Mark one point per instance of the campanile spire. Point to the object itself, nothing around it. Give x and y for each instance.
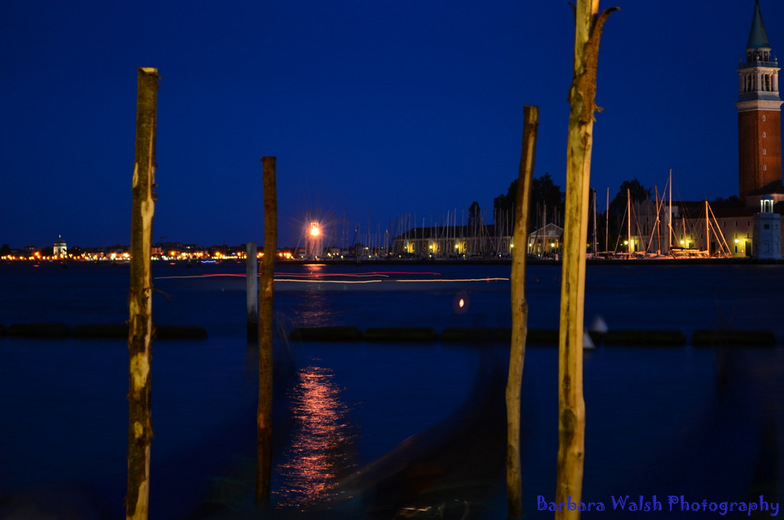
(759, 112)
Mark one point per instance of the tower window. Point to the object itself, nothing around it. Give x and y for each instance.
(763, 119)
(764, 151)
(764, 135)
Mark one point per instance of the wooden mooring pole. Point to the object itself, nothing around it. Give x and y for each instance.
(266, 292)
(514, 479)
(140, 298)
(252, 291)
(571, 404)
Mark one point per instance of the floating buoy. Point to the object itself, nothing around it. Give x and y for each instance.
(587, 341)
(599, 325)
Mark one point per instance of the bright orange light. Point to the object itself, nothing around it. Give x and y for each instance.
(314, 229)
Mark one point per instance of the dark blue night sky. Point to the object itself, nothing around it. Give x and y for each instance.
(375, 109)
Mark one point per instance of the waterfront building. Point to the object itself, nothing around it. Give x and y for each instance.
(759, 113)
(767, 231)
(545, 241)
(748, 223)
(453, 241)
(60, 249)
(749, 226)
(757, 219)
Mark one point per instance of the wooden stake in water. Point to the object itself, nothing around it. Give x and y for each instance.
(252, 291)
(266, 292)
(571, 404)
(514, 484)
(140, 298)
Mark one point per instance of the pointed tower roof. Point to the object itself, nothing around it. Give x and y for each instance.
(758, 38)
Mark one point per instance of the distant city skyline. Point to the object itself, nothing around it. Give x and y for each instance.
(375, 111)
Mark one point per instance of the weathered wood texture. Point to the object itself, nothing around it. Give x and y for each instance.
(514, 480)
(582, 97)
(140, 298)
(571, 404)
(266, 293)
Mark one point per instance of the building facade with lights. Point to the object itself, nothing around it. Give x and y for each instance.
(750, 227)
(759, 146)
(453, 241)
(60, 248)
(747, 227)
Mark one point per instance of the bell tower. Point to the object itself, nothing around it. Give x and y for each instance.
(759, 113)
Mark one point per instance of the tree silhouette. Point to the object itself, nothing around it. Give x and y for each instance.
(544, 193)
(617, 211)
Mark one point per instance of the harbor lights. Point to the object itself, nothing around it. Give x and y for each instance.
(313, 240)
(461, 302)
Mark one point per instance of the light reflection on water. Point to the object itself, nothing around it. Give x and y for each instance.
(322, 440)
(315, 310)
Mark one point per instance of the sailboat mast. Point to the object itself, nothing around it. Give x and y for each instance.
(683, 229)
(629, 220)
(607, 223)
(594, 222)
(707, 228)
(658, 222)
(669, 218)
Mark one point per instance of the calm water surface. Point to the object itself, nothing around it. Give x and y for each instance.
(703, 422)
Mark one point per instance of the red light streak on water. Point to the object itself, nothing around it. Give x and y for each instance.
(371, 273)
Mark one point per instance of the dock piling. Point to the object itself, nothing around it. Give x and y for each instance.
(140, 298)
(514, 484)
(252, 291)
(266, 293)
(571, 403)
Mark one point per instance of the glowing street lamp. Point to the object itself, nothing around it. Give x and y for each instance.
(315, 230)
(313, 240)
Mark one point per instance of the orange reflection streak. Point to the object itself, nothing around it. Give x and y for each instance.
(322, 440)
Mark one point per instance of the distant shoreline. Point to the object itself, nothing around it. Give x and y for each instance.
(507, 261)
(434, 261)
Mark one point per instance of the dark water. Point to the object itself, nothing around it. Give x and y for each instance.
(706, 423)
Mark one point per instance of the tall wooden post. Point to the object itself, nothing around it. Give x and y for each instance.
(252, 291)
(140, 298)
(514, 484)
(571, 405)
(266, 292)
